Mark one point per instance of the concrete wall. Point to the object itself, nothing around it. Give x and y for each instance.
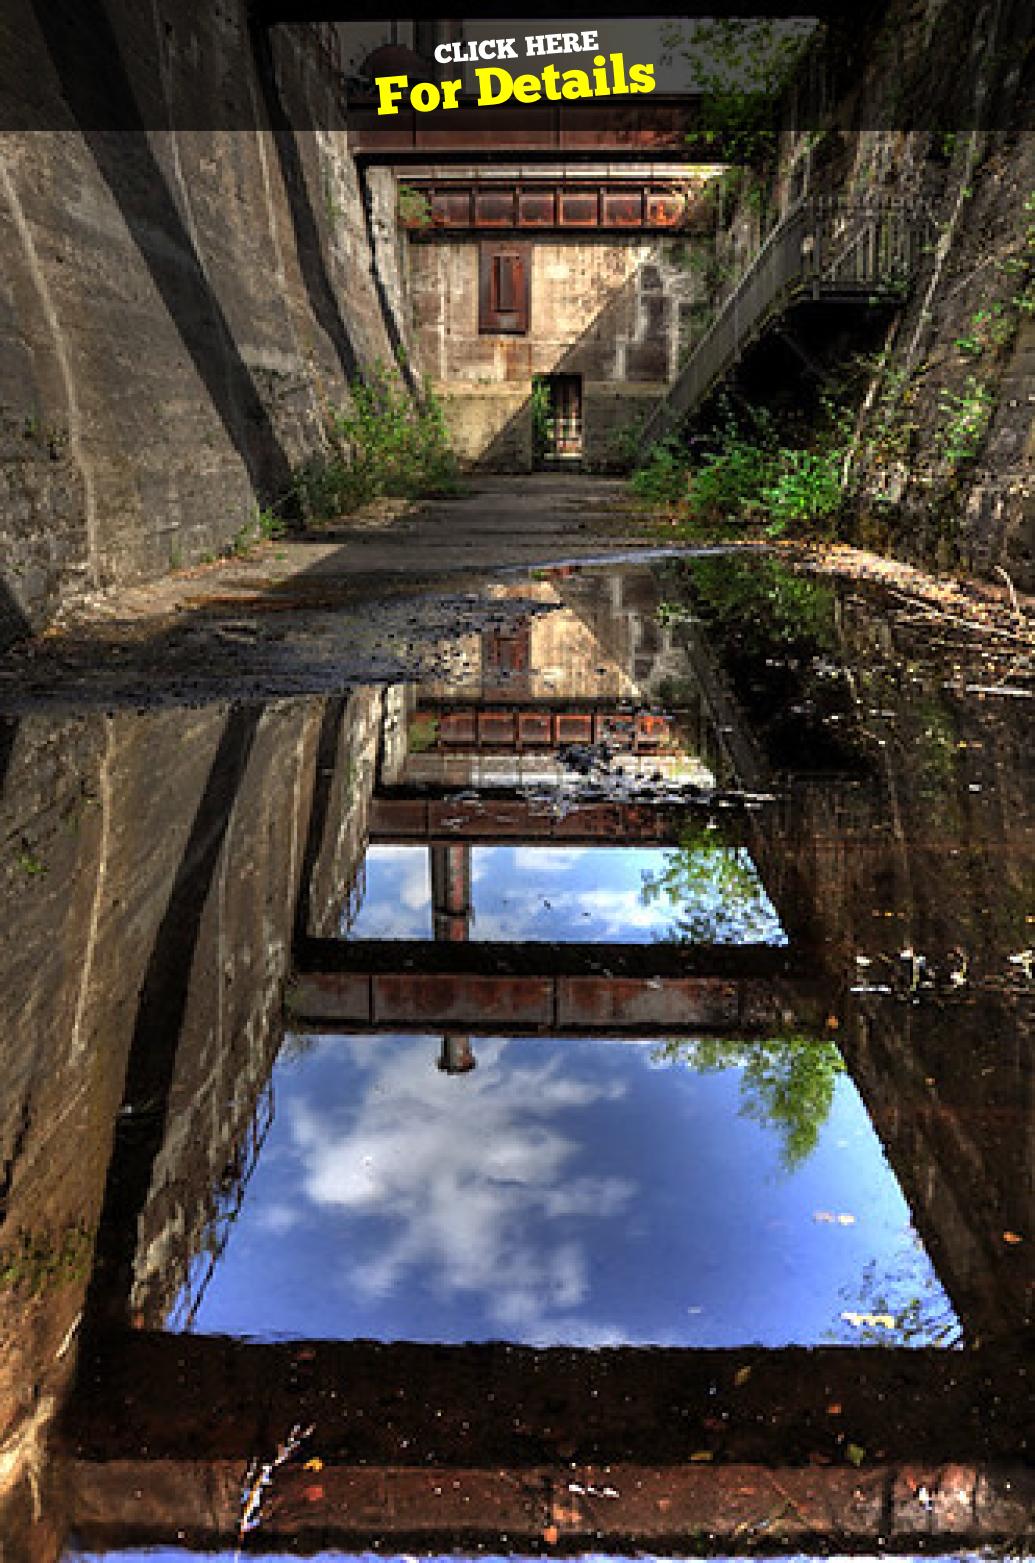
(176, 304)
(613, 309)
(957, 79)
(151, 924)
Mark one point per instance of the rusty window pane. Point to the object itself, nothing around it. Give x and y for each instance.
(536, 209)
(664, 210)
(451, 208)
(623, 208)
(494, 208)
(503, 287)
(579, 208)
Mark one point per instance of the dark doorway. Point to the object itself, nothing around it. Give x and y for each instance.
(557, 420)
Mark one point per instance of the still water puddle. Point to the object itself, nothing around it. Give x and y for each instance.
(659, 977)
(625, 894)
(573, 1193)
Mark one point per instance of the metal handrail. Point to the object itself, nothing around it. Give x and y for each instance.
(825, 246)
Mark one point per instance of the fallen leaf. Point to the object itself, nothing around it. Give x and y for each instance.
(550, 1535)
(741, 1376)
(855, 1453)
(1012, 1237)
(699, 1456)
(315, 1464)
(834, 1408)
(314, 1494)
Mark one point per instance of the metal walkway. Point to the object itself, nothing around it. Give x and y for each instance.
(825, 248)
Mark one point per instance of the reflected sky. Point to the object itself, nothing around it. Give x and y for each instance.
(576, 1192)
(565, 894)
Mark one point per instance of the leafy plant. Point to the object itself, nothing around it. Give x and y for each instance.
(748, 476)
(965, 421)
(30, 863)
(662, 479)
(712, 889)
(740, 67)
(413, 207)
(540, 408)
(385, 444)
(989, 328)
(786, 1082)
(37, 1262)
(807, 488)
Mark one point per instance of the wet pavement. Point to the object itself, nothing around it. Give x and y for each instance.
(540, 1065)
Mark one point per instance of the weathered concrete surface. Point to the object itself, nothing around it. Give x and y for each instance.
(320, 615)
(611, 308)
(175, 307)
(124, 894)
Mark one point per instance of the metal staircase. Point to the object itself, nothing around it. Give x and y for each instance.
(826, 247)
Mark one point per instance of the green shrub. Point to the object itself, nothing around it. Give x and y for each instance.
(386, 444)
(965, 420)
(807, 488)
(728, 484)
(663, 477)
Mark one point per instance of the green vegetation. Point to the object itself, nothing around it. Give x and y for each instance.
(965, 420)
(989, 329)
(750, 476)
(540, 408)
(422, 734)
(712, 889)
(741, 67)
(786, 1082)
(386, 444)
(38, 1262)
(414, 208)
(265, 526)
(30, 863)
(758, 603)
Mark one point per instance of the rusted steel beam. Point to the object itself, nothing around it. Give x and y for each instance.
(553, 1509)
(574, 989)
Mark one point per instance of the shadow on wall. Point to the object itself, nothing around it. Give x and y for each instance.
(85, 53)
(627, 344)
(318, 286)
(159, 1019)
(14, 625)
(106, 77)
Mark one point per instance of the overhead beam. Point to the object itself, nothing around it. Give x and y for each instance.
(552, 989)
(276, 11)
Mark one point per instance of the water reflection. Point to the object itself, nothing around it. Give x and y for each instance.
(670, 951)
(706, 891)
(593, 1196)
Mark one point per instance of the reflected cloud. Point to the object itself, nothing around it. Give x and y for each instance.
(471, 1187)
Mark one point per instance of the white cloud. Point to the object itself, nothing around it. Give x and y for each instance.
(474, 1182)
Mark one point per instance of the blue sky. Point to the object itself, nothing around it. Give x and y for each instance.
(541, 893)
(563, 1192)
